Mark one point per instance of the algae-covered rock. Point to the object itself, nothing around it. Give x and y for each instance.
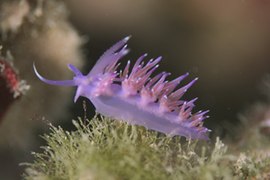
(33, 31)
(108, 149)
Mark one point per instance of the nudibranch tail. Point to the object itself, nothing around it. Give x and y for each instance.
(136, 97)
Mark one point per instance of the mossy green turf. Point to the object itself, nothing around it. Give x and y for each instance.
(107, 149)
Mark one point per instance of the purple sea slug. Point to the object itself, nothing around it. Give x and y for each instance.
(136, 97)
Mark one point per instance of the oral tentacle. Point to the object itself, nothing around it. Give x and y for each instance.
(75, 70)
(53, 82)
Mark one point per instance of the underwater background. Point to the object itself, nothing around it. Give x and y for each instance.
(225, 44)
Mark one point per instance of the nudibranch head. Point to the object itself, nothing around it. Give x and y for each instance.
(136, 97)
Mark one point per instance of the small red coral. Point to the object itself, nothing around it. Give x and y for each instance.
(11, 87)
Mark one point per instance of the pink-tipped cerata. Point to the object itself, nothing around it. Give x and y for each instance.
(136, 96)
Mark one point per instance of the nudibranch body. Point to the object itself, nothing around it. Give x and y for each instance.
(136, 97)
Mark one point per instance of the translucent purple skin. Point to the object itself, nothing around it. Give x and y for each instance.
(135, 96)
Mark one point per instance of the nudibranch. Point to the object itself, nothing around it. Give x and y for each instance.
(132, 95)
